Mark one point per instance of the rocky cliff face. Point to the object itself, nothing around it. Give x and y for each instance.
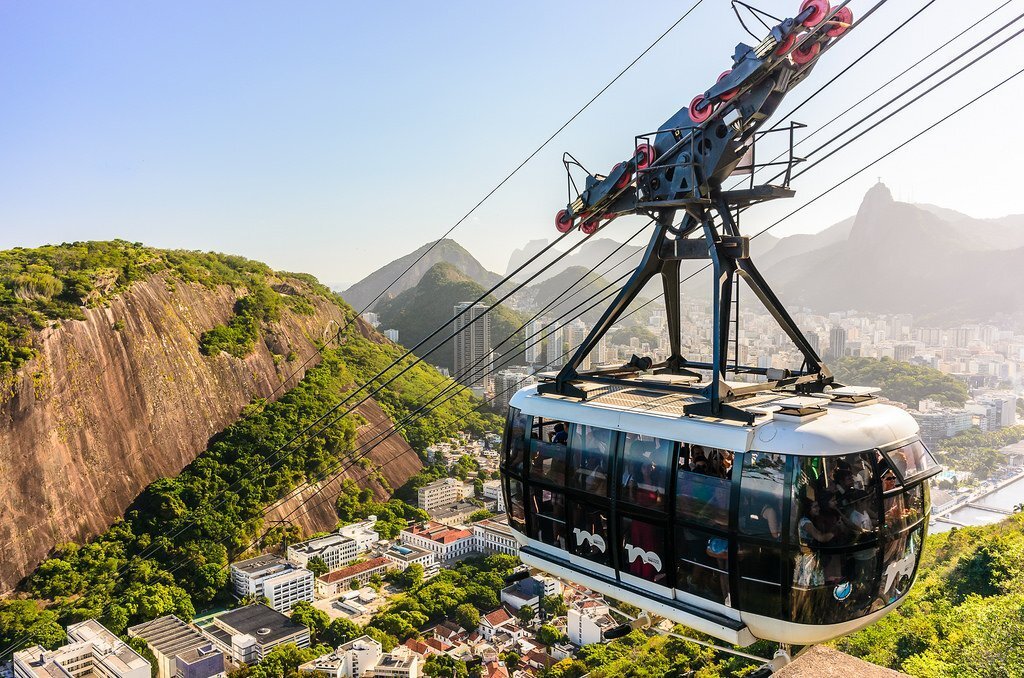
(115, 401)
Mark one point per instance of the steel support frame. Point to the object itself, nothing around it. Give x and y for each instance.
(727, 251)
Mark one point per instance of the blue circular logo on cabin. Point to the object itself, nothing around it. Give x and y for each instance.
(843, 591)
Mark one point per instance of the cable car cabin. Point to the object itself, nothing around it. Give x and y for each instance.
(804, 526)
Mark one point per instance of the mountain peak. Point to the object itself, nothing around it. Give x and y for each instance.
(879, 193)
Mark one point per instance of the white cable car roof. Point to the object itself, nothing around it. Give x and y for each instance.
(824, 428)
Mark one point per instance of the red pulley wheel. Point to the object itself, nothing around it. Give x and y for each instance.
(840, 21)
(786, 45)
(821, 9)
(725, 96)
(700, 109)
(563, 221)
(591, 225)
(804, 54)
(644, 156)
(624, 180)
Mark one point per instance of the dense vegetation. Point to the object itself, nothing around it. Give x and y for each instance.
(170, 552)
(418, 311)
(965, 615)
(902, 382)
(461, 593)
(977, 451)
(412, 390)
(641, 656)
(54, 283)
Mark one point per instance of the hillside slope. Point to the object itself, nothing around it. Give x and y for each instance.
(108, 403)
(418, 311)
(446, 251)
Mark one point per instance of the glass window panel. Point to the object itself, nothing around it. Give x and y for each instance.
(590, 455)
(515, 441)
(762, 482)
(516, 503)
(590, 537)
(912, 460)
(548, 448)
(760, 579)
(702, 564)
(549, 517)
(702, 493)
(643, 550)
(832, 587)
(904, 509)
(644, 479)
(899, 558)
(835, 501)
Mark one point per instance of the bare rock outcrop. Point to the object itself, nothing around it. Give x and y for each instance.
(123, 397)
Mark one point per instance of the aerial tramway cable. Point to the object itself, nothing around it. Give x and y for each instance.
(337, 335)
(453, 388)
(859, 171)
(817, 197)
(800, 208)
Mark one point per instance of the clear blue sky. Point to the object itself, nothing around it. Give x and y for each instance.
(331, 137)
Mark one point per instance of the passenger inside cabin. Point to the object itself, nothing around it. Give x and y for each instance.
(644, 470)
(560, 435)
(702, 491)
(590, 451)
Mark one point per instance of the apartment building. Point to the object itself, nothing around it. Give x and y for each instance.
(168, 638)
(443, 492)
(281, 582)
(350, 660)
(335, 550)
(493, 492)
(587, 623)
(91, 650)
(247, 634)
(363, 532)
(399, 663)
(446, 543)
(492, 536)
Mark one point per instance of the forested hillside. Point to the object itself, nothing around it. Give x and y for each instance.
(119, 361)
(418, 311)
(169, 553)
(965, 615)
(44, 286)
(900, 381)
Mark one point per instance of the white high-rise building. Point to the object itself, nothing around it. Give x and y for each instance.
(507, 382)
(534, 346)
(554, 357)
(472, 343)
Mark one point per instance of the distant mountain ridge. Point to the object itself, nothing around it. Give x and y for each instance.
(445, 251)
(904, 258)
(419, 310)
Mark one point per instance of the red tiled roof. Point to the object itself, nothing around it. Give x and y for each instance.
(495, 670)
(498, 617)
(352, 570)
(416, 646)
(439, 645)
(442, 534)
